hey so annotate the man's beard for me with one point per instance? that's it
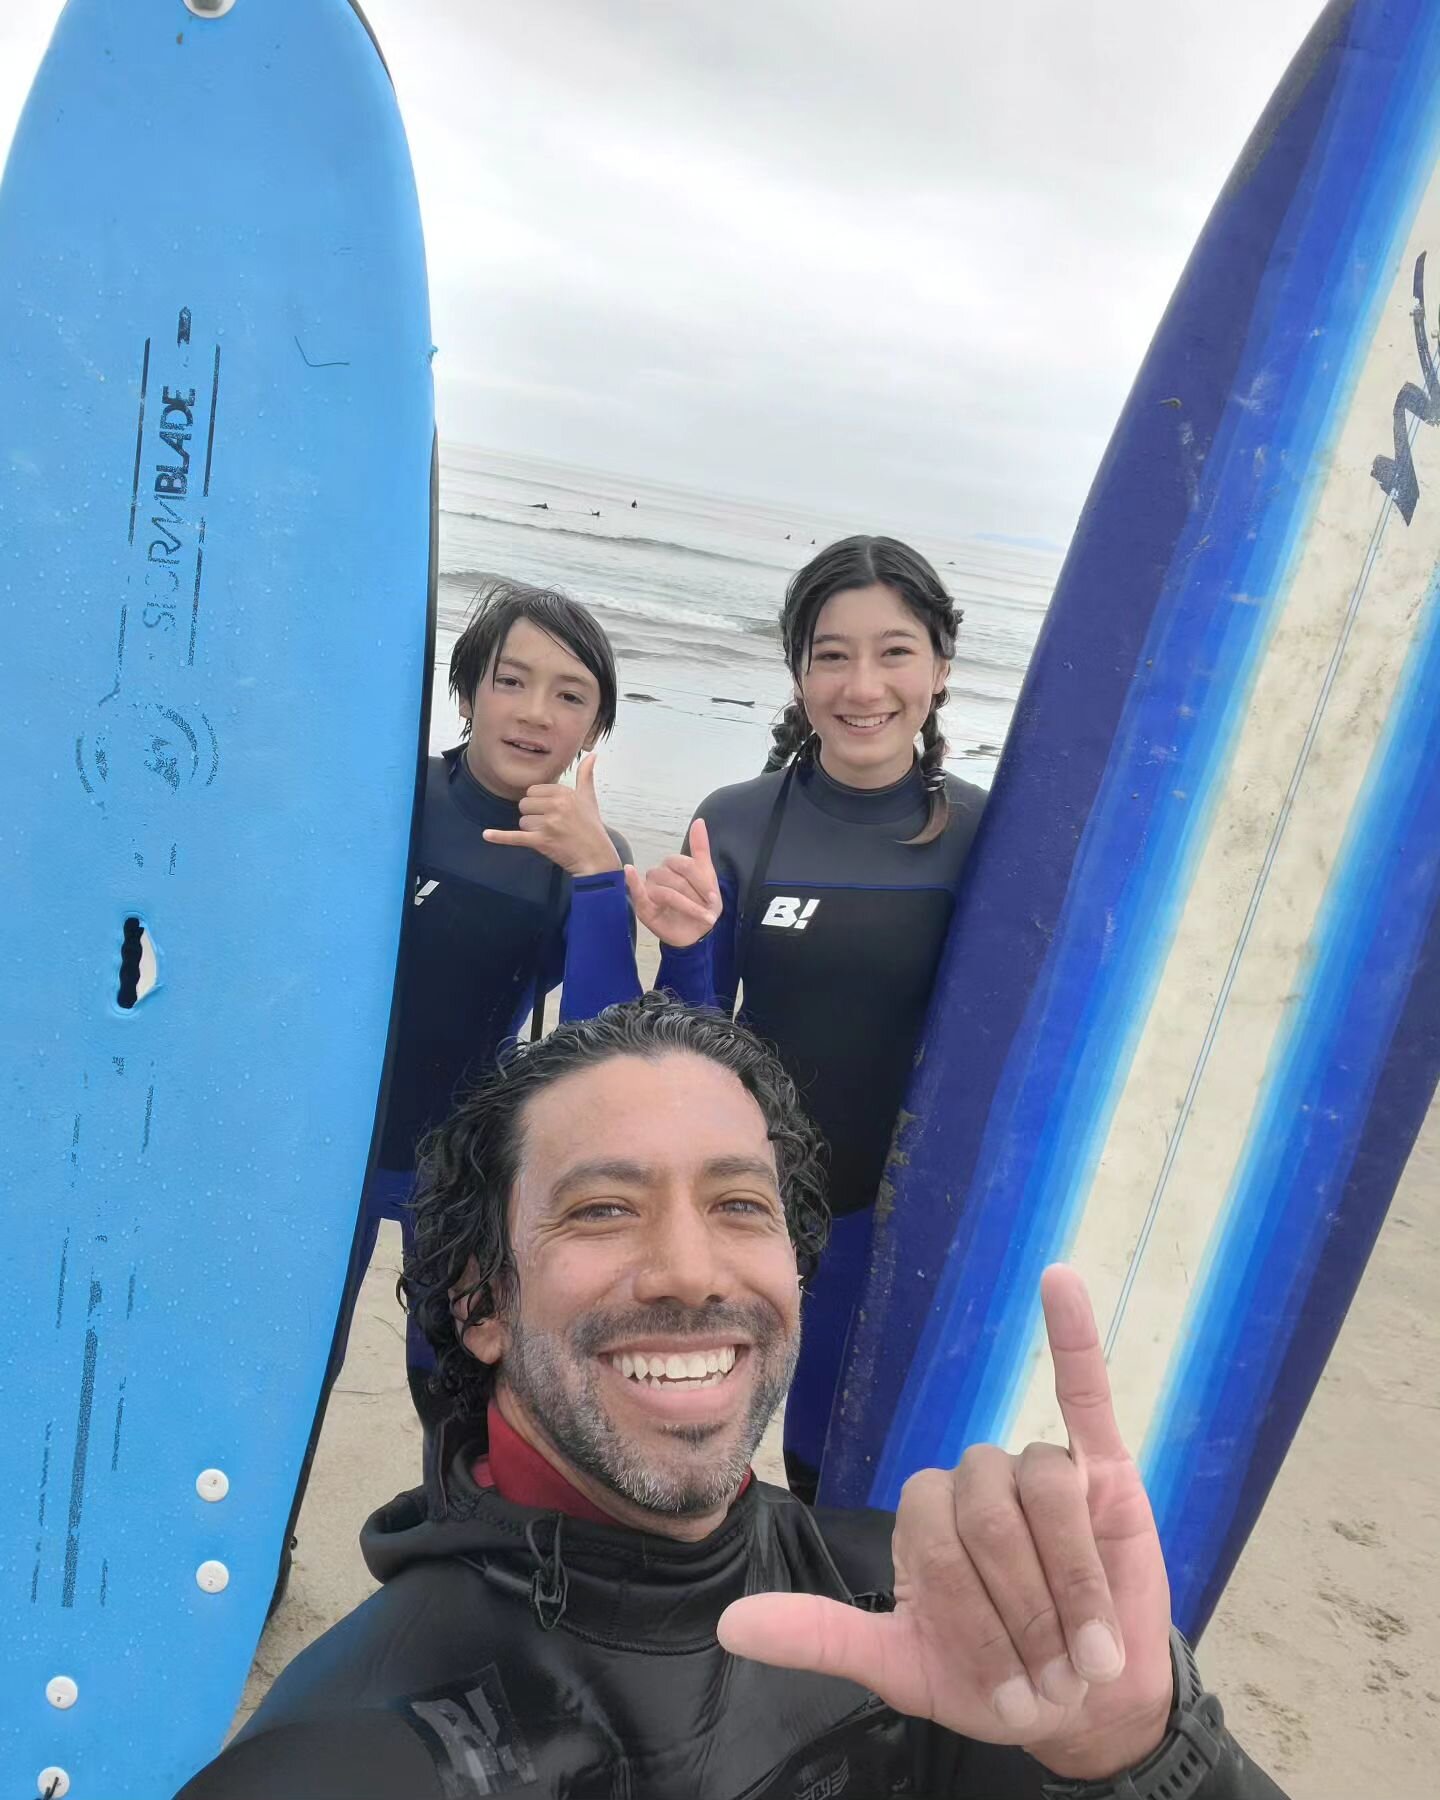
(537, 1363)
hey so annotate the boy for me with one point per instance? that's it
(519, 886)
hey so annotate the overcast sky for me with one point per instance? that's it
(889, 256)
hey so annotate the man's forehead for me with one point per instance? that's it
(678, 1111)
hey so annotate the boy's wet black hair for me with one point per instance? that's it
(499, 605)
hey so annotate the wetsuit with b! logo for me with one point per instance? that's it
(830, 938)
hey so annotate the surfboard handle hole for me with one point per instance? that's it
(137, 964)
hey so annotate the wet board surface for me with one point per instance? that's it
(216, 432)
(1189, 1019)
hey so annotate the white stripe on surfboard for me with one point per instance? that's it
(1328, 675)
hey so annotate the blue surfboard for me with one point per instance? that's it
(216, 434)
(1188, 1022)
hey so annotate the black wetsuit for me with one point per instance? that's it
(490, 930)
(833, 925)
(513, 1651)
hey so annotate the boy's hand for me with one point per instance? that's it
(564, 824)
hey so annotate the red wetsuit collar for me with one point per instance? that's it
(519, 1473)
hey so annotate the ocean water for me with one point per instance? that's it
(688, 585)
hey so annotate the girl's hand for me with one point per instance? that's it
(680, 900)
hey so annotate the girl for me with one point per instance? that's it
(833, 875)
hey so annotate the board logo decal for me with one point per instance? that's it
(150, 746)
(786, 912)
(147, 739)
(174, 545)
(1396, 474)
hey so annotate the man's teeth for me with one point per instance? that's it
(698, 1368)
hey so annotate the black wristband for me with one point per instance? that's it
(1193, 1745)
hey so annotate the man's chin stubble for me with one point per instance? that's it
(582, 1431)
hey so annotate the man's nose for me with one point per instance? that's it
(682, 1261)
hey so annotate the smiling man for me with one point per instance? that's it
(593, 1597)
(647, 1233)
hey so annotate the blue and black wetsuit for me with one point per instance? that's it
(489, 931)
(832, 933)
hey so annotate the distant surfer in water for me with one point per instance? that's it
(833, 874)
(518, 882)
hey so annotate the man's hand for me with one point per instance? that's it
(564, 824)
(1031, 1602)
(680, 900)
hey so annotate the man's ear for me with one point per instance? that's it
(484, 1338)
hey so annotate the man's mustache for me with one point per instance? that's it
(756, 1324)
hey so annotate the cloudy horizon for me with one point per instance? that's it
(898, 262)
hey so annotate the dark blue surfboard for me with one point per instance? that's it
(1188, 1023)
(216, 429)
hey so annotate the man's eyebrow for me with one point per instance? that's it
(625, 1173)
(722, 1168)
(615, 1169)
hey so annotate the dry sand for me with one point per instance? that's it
(1326, 1647)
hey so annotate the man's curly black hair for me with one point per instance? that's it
(468, 1167)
